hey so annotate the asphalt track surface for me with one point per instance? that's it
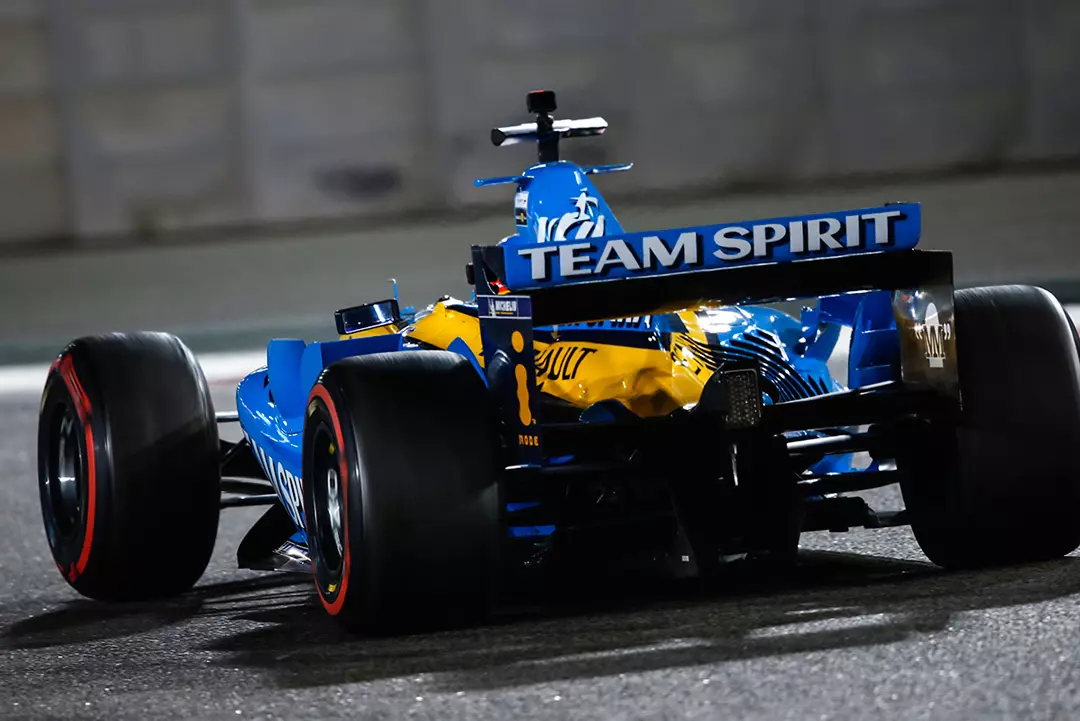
(865, 628)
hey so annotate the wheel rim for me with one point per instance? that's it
(329, 512)
(64, 472)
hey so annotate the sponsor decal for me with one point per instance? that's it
(717, 246)
(288, 486)
(526, 439)
(583, 222)
(521, 376)
(521, 207)
(576, 259)
(933, 334)
(561, 362)
(926, 322)
(638, 322)
(504, 306)
(803, 236)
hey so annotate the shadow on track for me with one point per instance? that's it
(831, 601)
(84, 620)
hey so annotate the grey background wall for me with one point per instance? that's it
(136, 115)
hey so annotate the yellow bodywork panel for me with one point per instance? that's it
(443, 324)
(388, 329)
(648, 381)
(587, 373)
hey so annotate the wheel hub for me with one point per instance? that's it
(333, 507)
(64, 472)
(327, 519)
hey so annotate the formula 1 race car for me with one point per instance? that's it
(607, 397)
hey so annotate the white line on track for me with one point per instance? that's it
(220, 368)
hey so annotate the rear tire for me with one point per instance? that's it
(401, 470)
(128, 466)
(1003, 487)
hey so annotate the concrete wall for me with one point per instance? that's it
(33, 187)
(150, 121)
(336, 109)
(128, 115)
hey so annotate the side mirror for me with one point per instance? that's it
(367, 316)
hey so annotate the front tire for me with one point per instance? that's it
(401, 470)
(1003, 487)
(128, 466)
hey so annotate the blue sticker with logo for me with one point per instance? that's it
(504, 306)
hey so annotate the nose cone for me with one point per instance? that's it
(560, 203)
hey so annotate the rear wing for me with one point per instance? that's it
(652, 253)
(730, 263)
(519, 287)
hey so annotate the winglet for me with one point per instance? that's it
(612, 168)
(501, 180)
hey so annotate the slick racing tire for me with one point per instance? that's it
(401, 470)
(1003, 486)
(128, 466)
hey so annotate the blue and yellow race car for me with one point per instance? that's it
(606, 396)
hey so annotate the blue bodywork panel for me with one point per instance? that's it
(874, 356)
(270, 403)
(556, 202)
(275, 444)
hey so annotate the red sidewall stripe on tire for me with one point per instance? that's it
(66, 368)
(333, 608)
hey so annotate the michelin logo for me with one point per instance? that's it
(728, 244)
(504, 306)
(288, 486)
